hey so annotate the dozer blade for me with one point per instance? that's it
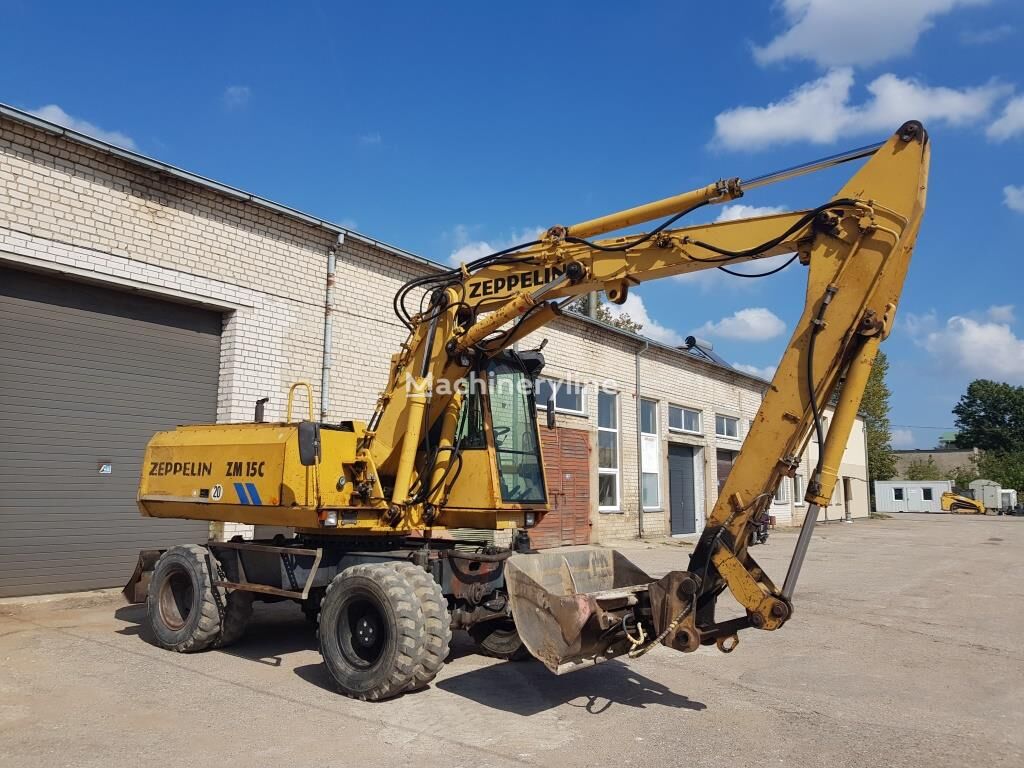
(138, 585)
(567, 605)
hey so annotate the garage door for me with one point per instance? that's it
(87, 375)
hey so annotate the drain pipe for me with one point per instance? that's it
(639, 446)
(325, 368)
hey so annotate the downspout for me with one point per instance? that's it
(639, 446)
(325, 368)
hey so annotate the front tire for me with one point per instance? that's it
(437, 624)
(371, 629)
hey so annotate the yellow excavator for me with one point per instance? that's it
(453, 444)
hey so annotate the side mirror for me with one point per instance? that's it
(309, 443)
(550, 411)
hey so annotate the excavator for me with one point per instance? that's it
(375, 508)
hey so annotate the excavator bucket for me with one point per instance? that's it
(564, 604)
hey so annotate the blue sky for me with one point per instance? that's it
(446, 128)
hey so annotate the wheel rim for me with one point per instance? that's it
(362, 632)
(176, 597)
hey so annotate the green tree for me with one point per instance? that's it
(875, 408)
(623, 321)
(990, 416)
(1005, 467)
(965, 474)
(919, 469)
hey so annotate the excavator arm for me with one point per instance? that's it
(856, 248)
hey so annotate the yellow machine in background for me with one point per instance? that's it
(453, 443)
(961, 505)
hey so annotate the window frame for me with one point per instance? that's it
(783, 487)
(798, 490)
(901, 496)
(556, 386)
(617, 471)
(656, 506)
(683, 411)
(728, 418)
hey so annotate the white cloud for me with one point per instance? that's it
(751, 324)
(918, 326)
(978, 348)
(766, 372)
(742, 211)
(820, 111)
(371, 139)
(1010, 123)
(1013, 198)
(838, 33)
(1001, 313)
(55, 114)
(986, 36)
(637, 311)
(236, 96)
(902, 438)
(467, 249)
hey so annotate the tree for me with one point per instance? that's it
(919, 469)
(875, 408)
(990, 416)
(965, 474)
(623, 320)
(1005, 467)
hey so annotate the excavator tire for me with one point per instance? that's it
(180, 606)
(437, 629)
(499, 639)
(370, 630)
(237, 612)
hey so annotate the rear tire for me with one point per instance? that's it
(500, 639)
(371, 629)
(437, 624)
(180, 606)
(237, 612)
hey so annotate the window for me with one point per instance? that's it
(607, 451)
(684, 420)
(568, 397)
(927, 494)
(650, 455)
(724, 461)
(727, 426)
(780, 492)
(514, 427)
(798, 490)
(897, 494)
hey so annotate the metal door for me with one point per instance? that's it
(682, 505)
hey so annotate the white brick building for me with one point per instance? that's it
(77, 212)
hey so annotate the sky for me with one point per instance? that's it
(451, 129)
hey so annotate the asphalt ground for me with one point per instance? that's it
(904, 650)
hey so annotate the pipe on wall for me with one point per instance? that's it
(325, 367)
(639, 446)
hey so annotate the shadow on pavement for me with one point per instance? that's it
(275, 631)
(526, 688)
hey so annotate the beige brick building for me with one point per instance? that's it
(78, 212)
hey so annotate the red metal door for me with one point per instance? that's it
(567, 471)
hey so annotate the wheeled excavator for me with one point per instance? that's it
(453, 444)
